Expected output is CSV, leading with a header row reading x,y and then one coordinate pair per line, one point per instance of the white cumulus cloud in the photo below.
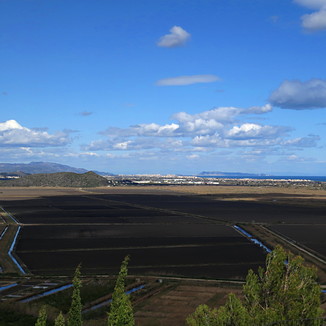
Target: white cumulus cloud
x,y
220,115
177,37
252,130
13,134
259,109
294,94
154,129
205,132
315,21
10,125
187,80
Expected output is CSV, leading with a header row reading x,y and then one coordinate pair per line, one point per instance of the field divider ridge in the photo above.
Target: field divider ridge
x,y
293,244
10,215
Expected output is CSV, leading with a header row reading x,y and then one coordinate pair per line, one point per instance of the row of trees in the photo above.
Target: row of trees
x,y
121,313
285,293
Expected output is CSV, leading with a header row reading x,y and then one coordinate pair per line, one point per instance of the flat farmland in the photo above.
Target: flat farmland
x,y
98,231
162,260
185,231
230,211
81,210
311,236
124,236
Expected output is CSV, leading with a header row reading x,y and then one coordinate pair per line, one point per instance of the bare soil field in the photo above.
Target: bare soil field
x,y
265,194
13,193
174,230
311,236
59,232
172,306
167,231
227,211
164,260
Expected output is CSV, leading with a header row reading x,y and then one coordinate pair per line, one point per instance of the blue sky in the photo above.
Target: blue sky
x,y
165,86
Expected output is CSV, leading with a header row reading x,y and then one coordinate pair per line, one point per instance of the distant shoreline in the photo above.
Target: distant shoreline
x,y
270,177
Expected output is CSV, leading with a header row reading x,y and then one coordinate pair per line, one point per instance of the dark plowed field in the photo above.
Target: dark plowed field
x,y
232,211
97,208
127,231
163,260
164,234
311,236
38,238
25,245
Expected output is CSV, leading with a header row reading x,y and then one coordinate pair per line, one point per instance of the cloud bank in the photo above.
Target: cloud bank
x,y
207,131
297,95
177,37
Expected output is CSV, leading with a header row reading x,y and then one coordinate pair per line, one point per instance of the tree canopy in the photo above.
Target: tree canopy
x,y
121,313
75,311
42,317
285,293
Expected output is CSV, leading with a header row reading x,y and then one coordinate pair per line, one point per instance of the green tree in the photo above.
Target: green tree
x,y
60,320
42,317
203,316
75,311
121,313
285,293
233,313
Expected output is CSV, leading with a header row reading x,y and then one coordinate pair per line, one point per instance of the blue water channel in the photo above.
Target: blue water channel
x,y
2,288
106,302
11,250
10,215
3,232
255,241
44,294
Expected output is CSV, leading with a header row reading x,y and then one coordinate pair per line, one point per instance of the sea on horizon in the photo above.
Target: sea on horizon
x,y
274,177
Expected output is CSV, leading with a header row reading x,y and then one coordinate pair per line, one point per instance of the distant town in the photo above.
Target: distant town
x,y
52,174
164,180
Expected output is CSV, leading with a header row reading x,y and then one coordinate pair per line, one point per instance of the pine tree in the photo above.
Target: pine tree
x,y
121,313
203,316
42,317
75,311
285,293
233,313
60,320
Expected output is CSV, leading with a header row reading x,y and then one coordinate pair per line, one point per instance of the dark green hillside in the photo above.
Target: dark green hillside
x,y
61,179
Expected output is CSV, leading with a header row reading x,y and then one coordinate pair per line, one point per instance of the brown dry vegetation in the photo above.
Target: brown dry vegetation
x,y
173,304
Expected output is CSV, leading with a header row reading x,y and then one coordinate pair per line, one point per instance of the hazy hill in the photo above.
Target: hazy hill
x,y
41,167
38,167
61,179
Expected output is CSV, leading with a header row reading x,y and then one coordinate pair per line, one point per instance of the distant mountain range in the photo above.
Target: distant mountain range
x,y
41,167
227,174
60,179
